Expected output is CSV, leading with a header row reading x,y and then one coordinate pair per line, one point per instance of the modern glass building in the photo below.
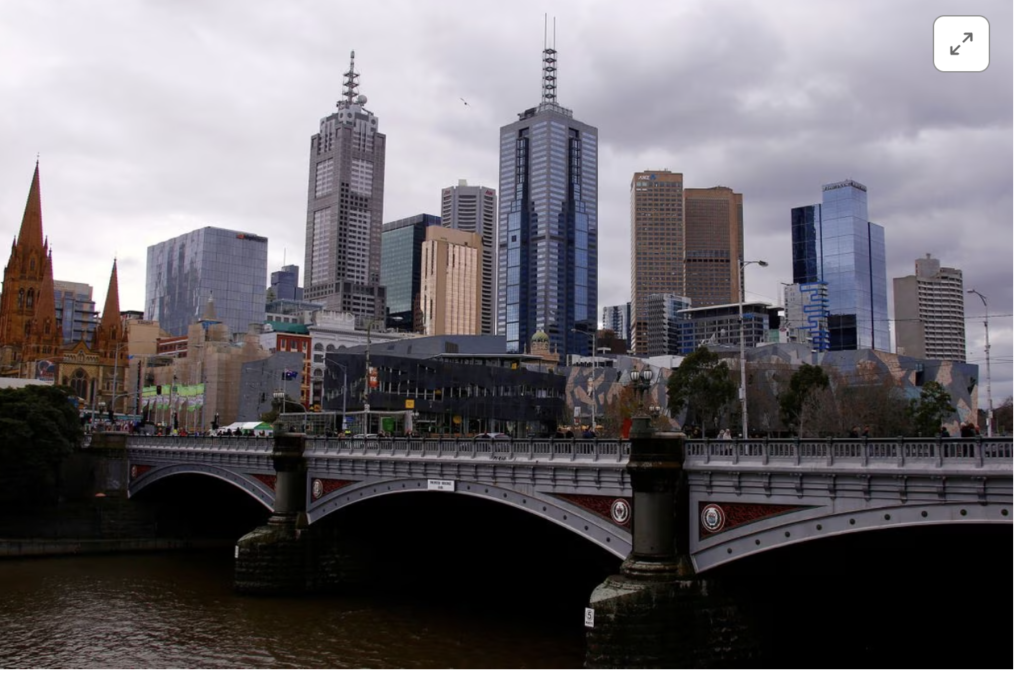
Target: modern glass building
x,y
834,243
230,266
75,311
547,228
667,329
807,314
401,241
286,283
618,319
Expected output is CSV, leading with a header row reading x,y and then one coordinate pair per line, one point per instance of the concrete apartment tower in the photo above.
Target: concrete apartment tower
x,y
547,225
930,311
345,197
657,246
450,285
474,209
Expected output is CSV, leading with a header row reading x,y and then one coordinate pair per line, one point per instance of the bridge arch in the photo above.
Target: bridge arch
x,y
817,525
593,528
252,488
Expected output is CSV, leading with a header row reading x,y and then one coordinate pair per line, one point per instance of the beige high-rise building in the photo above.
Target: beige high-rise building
x,y
929,312
713,243
474,208
450,282
657,245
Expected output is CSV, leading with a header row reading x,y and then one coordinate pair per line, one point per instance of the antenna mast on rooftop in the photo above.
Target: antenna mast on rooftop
x,y
549,64
352,80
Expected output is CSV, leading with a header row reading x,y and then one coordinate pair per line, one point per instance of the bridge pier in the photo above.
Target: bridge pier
x,y
274,559
657,613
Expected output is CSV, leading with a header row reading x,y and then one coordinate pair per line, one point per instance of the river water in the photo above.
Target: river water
x,y
178,610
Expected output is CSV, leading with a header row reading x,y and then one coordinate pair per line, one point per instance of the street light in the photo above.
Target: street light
x,y
344,383
987,360
592,380
740,320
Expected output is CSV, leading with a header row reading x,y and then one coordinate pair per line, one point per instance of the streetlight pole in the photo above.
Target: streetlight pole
x,y
987,361
740,319
344,384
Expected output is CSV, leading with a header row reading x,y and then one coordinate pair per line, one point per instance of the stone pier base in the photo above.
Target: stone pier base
x,y
272,560
674,624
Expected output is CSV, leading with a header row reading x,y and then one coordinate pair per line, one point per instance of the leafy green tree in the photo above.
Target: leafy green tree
x,y
799,399
703,384
39,427
928,412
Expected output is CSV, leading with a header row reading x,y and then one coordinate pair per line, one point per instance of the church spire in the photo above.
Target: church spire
x,y
111,310
30,235
109,333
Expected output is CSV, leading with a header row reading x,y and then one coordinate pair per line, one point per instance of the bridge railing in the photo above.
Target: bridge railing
x,y
519,450
244,444
899,452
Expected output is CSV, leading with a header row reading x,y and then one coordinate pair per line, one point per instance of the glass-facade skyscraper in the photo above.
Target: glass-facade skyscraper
x,y
834,243
401,242
181,273
547,225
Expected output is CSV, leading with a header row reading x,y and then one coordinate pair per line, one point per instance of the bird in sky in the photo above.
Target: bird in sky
x,y
464,101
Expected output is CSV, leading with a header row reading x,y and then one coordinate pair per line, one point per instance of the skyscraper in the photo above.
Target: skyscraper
x,y
657,245
834,243
401,241
929,312
230,266
450,289
345,197
618,319
547,228
285,283
713,238
75,311
474,209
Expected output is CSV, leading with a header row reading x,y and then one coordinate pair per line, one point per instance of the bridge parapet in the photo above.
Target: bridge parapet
x,y
262,445
956,454
598,451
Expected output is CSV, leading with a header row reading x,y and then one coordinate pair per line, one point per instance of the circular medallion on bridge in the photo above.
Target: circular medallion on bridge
x,y
713,518
620,511
134,471
317,489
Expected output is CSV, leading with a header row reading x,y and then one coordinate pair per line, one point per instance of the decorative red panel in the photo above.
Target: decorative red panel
x,y
138,470
267,480
615,509
715,518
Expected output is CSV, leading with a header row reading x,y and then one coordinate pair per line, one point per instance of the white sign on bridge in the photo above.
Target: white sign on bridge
x,y
441,485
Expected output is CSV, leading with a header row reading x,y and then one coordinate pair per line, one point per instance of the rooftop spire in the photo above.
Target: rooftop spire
x,y
549,64
352,80
111,310
31,224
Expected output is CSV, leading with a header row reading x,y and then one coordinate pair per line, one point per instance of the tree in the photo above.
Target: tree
x,y
1003,418
702,383
799,401
928,412
39,427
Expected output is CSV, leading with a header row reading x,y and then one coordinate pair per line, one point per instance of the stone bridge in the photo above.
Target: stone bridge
x,y
741,497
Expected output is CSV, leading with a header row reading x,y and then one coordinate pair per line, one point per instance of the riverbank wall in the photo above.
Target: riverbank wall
x,y
43,547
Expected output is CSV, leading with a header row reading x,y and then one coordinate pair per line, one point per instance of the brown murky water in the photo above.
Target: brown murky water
x,y
177,610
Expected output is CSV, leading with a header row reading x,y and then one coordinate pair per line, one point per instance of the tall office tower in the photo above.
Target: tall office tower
x,y
285,283
807,314
657,245
474,209
713,245
618,319
929,312
547,230
451,287
401,241
666,326
834,243
75,311
230,266
345,197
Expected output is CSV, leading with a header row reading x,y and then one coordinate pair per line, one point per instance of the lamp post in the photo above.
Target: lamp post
x,y
987,361
740,320
641,381
591,383
344,383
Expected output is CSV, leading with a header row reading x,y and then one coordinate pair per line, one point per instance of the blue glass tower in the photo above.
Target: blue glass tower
x,y
835,244
547,231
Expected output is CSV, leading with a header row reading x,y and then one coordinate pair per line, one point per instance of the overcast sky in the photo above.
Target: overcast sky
x,y
157,118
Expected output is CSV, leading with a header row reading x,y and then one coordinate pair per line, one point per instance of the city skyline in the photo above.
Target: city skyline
x,y
224,102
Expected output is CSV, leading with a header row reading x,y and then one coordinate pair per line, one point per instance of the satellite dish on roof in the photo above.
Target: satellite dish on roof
x,y
361,100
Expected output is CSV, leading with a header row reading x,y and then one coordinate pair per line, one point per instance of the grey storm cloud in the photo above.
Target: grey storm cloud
x,y
154,119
